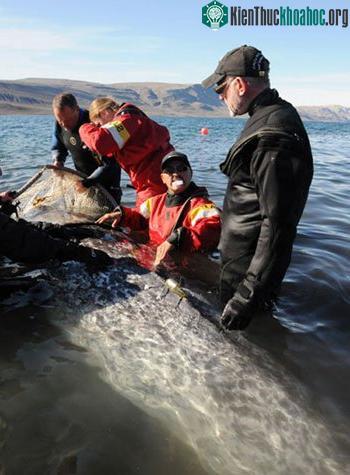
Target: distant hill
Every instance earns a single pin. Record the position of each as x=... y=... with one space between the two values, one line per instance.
x=34 y=96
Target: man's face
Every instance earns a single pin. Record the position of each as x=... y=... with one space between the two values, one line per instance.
x=233 y=97
x=176 y=176
x=67 y=117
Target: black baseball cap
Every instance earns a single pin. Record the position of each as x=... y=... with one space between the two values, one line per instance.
x=242 y=61
x=174 y=155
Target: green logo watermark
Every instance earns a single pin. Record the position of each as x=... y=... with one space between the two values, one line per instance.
x=215 y=15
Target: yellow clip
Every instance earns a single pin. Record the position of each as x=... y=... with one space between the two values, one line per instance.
x=174 y=287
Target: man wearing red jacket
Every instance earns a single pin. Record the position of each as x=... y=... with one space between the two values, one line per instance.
x=137 y=142
x=183 y=218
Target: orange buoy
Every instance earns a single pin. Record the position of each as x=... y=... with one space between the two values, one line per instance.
x=204 y=131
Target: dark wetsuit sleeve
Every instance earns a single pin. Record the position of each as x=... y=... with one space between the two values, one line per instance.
x=107 y=174
x=279 y=177
x=20 y=241
x=58 y=150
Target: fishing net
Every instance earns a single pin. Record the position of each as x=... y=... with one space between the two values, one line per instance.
x=51 y=196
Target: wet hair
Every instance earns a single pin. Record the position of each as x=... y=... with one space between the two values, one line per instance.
x=101 y=104
x=65 y=99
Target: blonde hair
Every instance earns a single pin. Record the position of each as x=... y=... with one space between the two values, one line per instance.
x=101 y=104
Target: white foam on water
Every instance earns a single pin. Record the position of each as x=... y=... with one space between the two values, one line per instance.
x=239 y=410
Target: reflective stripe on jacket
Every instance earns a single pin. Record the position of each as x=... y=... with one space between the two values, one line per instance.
x=137 y=142
x=200 y=226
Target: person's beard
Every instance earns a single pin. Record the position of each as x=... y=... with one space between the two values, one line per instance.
x=239 y=108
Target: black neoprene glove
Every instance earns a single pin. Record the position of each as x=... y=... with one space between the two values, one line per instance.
x=240 y=309
x=236 y=315
x=176 y=237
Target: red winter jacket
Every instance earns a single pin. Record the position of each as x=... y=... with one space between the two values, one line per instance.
x=137 y=142
x=199 y=227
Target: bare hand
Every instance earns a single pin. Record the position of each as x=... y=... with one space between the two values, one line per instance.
x=6 y=196
x=115 y=217
x=58 y=164
x=162 y=252
x=80 y=188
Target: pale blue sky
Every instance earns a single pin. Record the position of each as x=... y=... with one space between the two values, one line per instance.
x=117 y=41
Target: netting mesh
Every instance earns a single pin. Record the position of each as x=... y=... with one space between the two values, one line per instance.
x=51 y=196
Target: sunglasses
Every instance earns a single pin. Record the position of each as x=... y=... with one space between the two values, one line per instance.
x=175 y=169
x=220 y=88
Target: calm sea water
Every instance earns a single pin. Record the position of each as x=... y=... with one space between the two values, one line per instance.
x=309 y=336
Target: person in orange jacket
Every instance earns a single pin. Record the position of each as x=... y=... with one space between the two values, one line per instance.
x=183 y=218
x=137 y=142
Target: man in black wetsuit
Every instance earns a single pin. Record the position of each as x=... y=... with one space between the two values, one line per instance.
x=270 y=170
x=69 y=117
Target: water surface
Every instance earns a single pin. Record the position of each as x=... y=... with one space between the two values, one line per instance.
x=64 y=407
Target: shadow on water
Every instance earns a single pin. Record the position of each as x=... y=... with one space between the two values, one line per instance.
x=57 y=416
